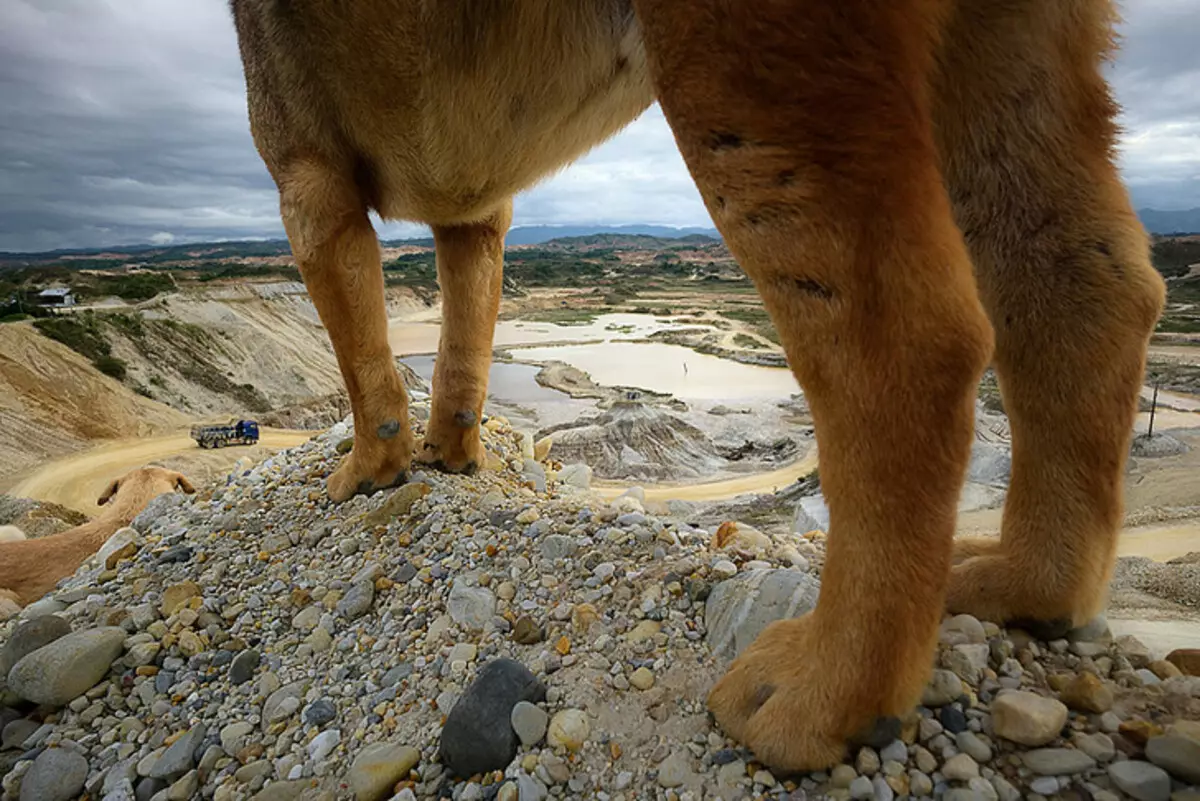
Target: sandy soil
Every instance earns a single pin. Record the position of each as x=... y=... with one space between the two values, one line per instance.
x=718 y=490
x=76 y=481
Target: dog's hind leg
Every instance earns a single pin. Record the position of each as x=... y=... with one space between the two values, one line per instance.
x=808 y=130
x=1025 y=129
x=470 y=265
x=335 y=246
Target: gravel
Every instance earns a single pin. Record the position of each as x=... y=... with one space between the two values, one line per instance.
x=472 y=638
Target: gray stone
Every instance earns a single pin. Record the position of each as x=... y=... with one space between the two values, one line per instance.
x=529 y=721
x=378 y=766
x=156 y=510
x=577 y=475
x=535 y=474
x=283 y=703
x=990 y=464
x=811 y=515
x=471 y=607
x=970 y=743
x=557 y=546
x=56 y=775
x=944 y=687
x=319 y=712
x=179 y=757
x=1057 y=761
x=862 y=788
x=241 y=669
x=1098 y=746
x=1141 y=780
x=65 y=669
x=739 y=609
x=1177 y=754
x=357 y=600
x=17 y=732
x=285 y=791
x=478 y=735
x=675 y=770
x=29 y=636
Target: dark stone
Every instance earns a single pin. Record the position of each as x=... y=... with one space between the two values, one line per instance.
x=478 y=735
x=502 y=518
x=319 y=712
x=884 y=731
x=222 y=658
x=726 y=755
x=30 y=636
x=163 y=681
x=147 y=788
x=952 y=719
x=179 y=757
x=241 y=670
x=179 y=553
x=405 y=573
x=396 y=674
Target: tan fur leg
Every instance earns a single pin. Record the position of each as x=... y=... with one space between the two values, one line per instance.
x=808 y=131
x=338 y=254
x=1025 y=130
x=470 y=262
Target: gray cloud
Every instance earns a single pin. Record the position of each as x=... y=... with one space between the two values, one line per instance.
x=124 y=121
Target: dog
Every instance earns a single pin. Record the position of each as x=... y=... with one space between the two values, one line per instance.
x=917 y=189
x=31 y=568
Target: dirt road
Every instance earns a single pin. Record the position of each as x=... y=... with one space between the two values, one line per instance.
x=76 y=481
x=718 y=490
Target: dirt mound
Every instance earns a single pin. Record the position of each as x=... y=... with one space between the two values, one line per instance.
x=328 y=410
x=53 y=402
x=639 y=442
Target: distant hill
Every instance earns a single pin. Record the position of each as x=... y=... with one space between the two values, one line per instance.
x=537 y=234
x=1171 y=222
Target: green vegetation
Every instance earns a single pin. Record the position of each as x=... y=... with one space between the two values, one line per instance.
x=216 y=270
x=564 y=316
x=747 y=341
x=1172 y=256
x=757 y=318
x=84 y=334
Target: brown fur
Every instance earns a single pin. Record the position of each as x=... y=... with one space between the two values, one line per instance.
x=31 y=568
x=890 y=175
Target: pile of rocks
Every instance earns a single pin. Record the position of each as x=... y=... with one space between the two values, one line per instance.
x=510 y=635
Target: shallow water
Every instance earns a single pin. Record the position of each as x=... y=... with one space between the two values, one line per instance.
x=516 y=384
x=675 y=369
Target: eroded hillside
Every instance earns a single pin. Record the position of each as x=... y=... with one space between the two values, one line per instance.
x=54 y=401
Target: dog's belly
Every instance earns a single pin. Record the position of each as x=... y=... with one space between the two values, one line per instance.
x=497 y=103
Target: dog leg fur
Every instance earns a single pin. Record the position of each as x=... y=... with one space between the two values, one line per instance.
x=808 y=131
x=1063 y=269
x=325 y=217
x=470 y=261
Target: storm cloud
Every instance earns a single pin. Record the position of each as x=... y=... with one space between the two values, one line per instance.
x=124 y=121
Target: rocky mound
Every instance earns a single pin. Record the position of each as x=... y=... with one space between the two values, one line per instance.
x=470 y=638
x=38 y=518
x=634 y=441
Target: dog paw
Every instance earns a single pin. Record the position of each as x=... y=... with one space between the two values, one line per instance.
x=791 y=700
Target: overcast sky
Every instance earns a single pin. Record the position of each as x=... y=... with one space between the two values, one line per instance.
x=124 y=121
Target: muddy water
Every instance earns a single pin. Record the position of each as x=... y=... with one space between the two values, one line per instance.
x=603 y=349
x=674 y=369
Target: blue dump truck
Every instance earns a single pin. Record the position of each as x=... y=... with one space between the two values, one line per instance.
x=239 y=432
